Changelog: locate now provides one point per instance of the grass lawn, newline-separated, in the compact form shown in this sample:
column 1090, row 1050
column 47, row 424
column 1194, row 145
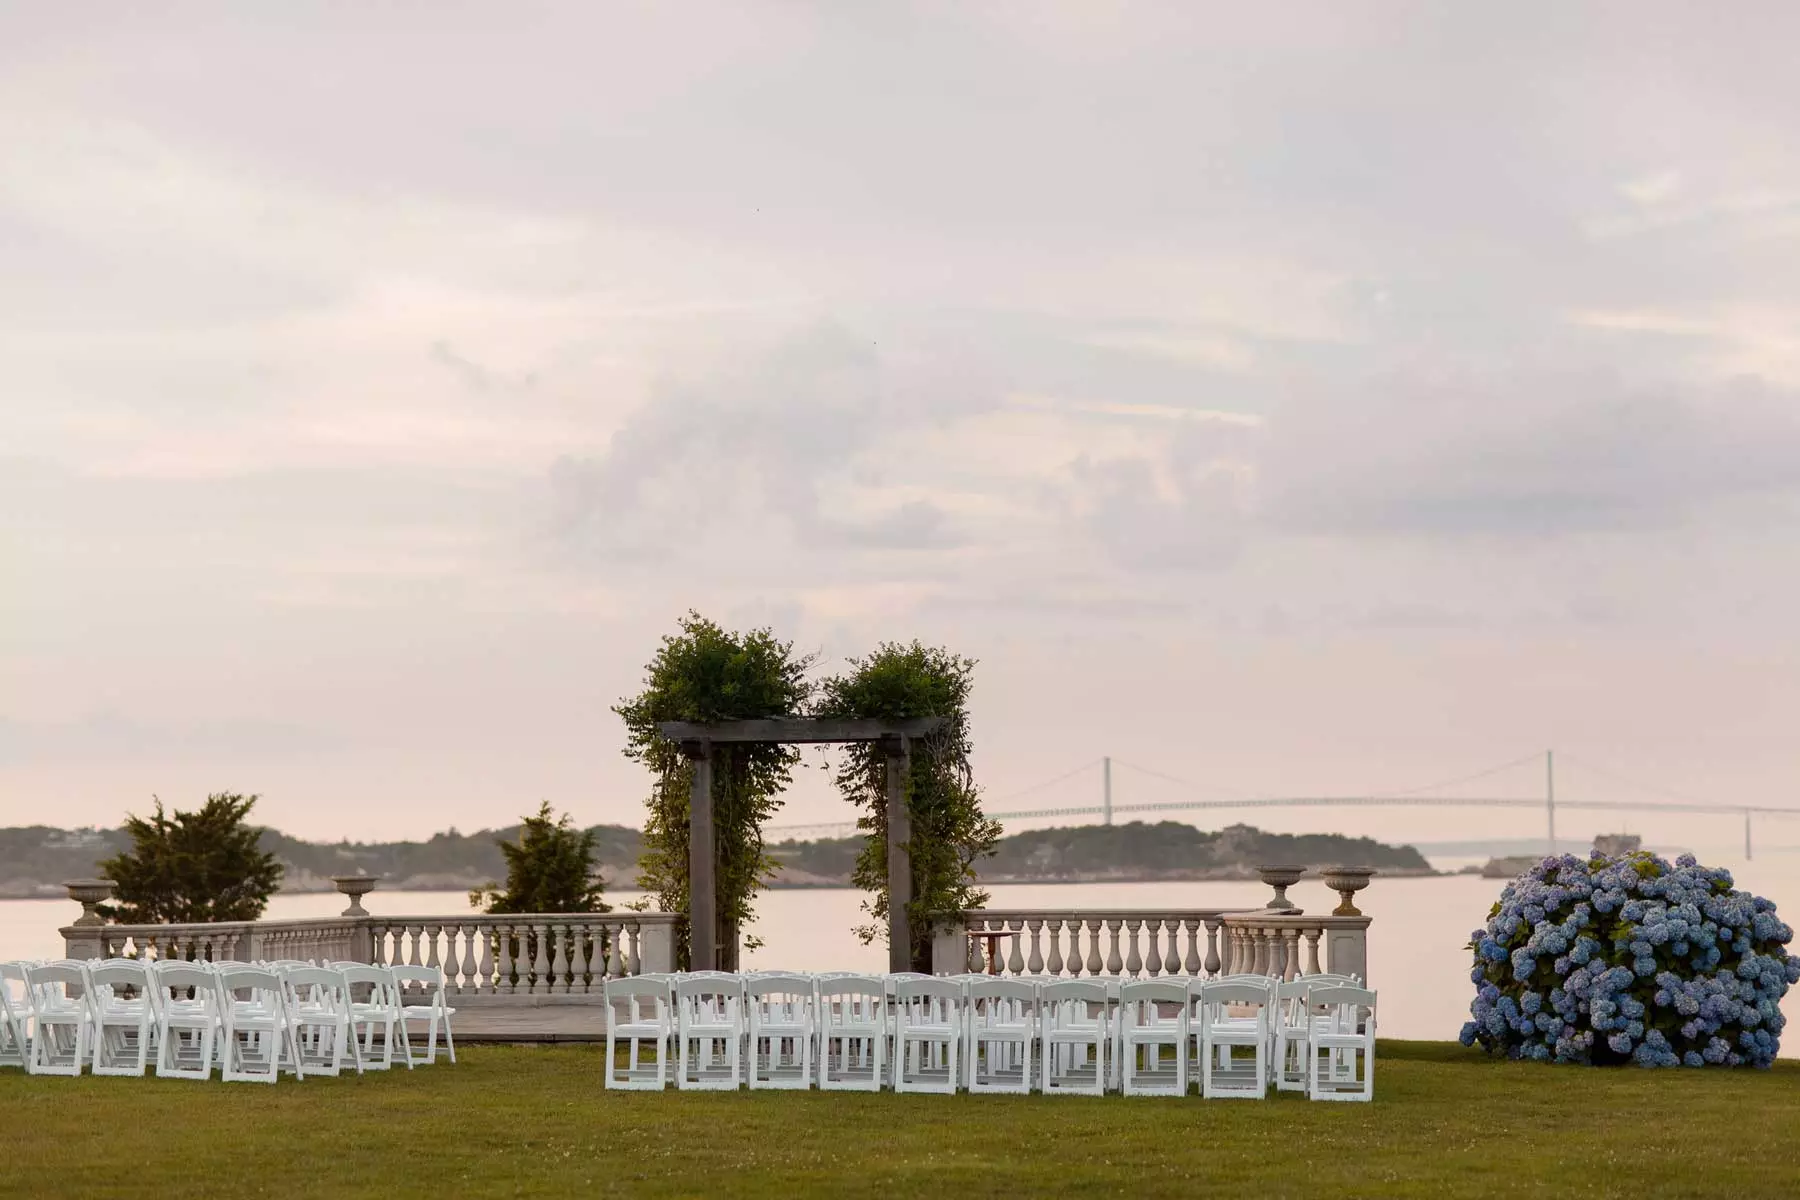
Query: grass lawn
column 509, row 1121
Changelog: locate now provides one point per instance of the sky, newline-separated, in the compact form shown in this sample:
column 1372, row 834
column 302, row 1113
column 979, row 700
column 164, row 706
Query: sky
column 1321, row 400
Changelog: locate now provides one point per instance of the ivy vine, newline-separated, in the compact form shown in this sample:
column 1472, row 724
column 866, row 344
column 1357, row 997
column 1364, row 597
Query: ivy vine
column 949, row 832
column 706, row 673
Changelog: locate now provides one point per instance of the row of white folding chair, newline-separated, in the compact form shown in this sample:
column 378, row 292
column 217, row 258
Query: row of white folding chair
column 1080, row 1031
column 254, row 1020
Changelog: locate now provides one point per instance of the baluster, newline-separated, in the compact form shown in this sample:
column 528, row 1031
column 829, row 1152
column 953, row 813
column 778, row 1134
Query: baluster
column 559, row 958
column 578, row 955
column 1152, row 955
column 413, row 934
column 1134, row 962
column 1291, row 952
column 1095, row 964
column 1055, row 964
column 1172, row 957
column 1035, row 964
column 505, row 983
column 1015, row 960
column 473, row 933
column 540, row 983
column 484, row 970
column 628, row 954
column 432, row 959
column 1312, row 949
column 452, row 965
column 1114, row 964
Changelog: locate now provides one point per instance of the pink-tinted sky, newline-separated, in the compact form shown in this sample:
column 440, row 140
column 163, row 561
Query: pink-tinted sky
column 1330, row 399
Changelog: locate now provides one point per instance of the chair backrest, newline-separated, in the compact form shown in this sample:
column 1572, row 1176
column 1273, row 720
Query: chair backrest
column 1342, row 996
column 51, row 974
column 792, row 984
column 1173, row 991
column 852, row 985
column 997, row 987
column 926, row 987
column 731, row 987
column 1091, row 990
column 656, row 987
column 355, row 973
column 119, row 973
column 179, row 976
column 232, row 979
column 431, row 977
column 1231, row 991
column 323, row 978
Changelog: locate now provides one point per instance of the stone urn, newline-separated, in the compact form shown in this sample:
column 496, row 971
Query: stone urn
column 355, row 887
column 1346, row 882
column 90, row 892
column 1281, row 879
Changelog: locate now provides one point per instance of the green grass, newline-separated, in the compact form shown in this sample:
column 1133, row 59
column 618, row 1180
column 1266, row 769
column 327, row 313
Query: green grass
column 520, row 1121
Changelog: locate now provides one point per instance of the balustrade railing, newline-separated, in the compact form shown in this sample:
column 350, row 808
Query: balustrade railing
column 529, row 954
column 331, row 939
column 1140, row 943
column 527, row 958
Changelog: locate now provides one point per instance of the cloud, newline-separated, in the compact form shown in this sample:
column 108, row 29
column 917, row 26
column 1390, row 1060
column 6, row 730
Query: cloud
column 1521, row 454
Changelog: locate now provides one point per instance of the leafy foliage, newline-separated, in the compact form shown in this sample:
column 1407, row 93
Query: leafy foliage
column 193, row 866
column 550, row 869
column 949, row 832
column 1629, row 959
column 706, row 673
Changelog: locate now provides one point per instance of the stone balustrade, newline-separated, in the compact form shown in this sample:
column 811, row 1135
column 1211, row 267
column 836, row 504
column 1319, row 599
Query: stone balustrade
column 331, row 938
column 1144, row 943
column 528, row 957
column 522, row 959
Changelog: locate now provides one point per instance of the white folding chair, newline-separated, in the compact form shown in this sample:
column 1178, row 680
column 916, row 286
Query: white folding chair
column 433, row 1010
column 56, row 998
column 649, row 1022
column 852, row 1019
column 1294, row 1020
column 1002, row 1026
column 15, row 1030
column 781, row 1030
column 123, row 1025
column 185, row 999
column 709, row 1031
column 1145, row 1030
column 928, row 1033
column 258, row 1037
column 374, row 1006
column 1080, row 1023
column 317, row 1002
column 1346, row 1034
column 1221, row 1033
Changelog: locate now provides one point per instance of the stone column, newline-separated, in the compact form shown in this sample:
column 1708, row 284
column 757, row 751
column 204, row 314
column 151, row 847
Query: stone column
column 82, row 940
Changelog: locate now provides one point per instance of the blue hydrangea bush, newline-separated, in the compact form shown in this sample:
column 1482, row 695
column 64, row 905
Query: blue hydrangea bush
column 1629, row 959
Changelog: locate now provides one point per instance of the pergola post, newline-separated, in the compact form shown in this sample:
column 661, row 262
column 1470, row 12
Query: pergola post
column 703, row 862
column 899, row 858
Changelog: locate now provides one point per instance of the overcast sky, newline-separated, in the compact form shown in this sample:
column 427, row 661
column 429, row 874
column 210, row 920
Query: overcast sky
column 1331, row 399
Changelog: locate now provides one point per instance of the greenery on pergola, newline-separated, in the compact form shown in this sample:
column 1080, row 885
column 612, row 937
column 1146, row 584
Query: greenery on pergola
column 707, row 676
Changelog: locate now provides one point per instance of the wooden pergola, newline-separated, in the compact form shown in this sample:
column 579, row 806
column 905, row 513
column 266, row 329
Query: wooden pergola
column 697, row 740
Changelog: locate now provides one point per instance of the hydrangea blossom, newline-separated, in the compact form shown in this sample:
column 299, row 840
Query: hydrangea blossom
column 1630, row 959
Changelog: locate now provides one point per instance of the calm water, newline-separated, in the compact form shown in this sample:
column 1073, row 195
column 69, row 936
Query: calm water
column 1416, row 957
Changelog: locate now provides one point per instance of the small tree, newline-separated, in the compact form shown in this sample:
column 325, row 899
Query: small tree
column 194, row 866
column 550, row 869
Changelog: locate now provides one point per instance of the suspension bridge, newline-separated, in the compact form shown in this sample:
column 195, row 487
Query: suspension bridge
column 1546, row 801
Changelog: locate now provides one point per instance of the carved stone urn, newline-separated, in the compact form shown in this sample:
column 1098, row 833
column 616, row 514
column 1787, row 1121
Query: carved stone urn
column 90, row 892
column 355, row 887
column 1281, row 879
column 1346, row 882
